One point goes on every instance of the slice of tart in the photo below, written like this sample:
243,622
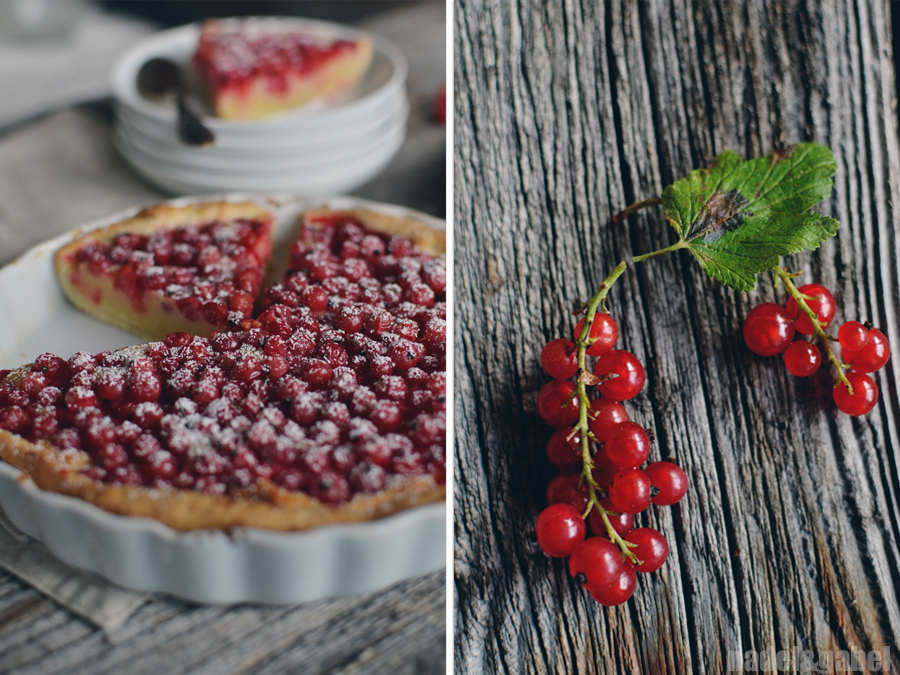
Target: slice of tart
195,268
327,406
253,69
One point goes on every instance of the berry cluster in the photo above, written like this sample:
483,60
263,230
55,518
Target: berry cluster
769,329
599,452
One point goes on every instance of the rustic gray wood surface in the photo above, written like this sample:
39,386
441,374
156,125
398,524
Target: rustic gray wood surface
399,630
790,533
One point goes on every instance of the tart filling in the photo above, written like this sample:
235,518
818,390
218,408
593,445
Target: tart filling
196,268
327,406
252,70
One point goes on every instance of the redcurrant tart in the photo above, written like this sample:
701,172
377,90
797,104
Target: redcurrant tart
821,303
768,329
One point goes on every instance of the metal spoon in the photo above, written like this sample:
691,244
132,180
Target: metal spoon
159,76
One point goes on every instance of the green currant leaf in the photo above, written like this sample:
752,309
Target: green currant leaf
739,217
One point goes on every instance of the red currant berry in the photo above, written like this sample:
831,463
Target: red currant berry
557,405
669,479
560,359
853,336
559,530
564,450
597,563
567,488
604,469
622,522
630,491
863,398
822,304
629,375
607,415
604,331
628,446
768,329
802,359
618,591
652,548
872,356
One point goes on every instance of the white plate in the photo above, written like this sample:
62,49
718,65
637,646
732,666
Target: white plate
283,145
386,76
246,565
336,179
293,160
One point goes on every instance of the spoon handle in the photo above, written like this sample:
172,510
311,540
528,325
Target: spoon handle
191,129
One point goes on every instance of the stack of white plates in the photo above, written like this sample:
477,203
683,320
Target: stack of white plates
319,149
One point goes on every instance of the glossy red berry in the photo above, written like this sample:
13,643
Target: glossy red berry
604,331
652,548
628,446
568,488
630,491
873,355
607,414
560,359
557,405
604,469
863,398
564,450
628,375
617,592
559,530
768,329
622,523
596,563
822,303
853,335
802,359
671,481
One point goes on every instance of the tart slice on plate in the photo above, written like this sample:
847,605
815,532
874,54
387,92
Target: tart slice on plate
251,69
195,268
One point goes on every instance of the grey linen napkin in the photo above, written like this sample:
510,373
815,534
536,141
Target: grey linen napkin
91,597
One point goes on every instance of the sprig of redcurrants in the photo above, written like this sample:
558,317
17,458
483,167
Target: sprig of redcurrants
599,452
770,328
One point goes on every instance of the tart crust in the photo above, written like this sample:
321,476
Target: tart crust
264,504
99,297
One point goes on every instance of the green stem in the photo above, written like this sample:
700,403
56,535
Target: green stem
582,343
637,206
668,249
787,279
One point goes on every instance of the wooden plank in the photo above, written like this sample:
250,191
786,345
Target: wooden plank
565,113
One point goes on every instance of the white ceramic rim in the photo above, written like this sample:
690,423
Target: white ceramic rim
310,160
179,43
284,145
336,181
244,565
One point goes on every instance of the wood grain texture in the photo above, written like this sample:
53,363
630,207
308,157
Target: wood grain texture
565,113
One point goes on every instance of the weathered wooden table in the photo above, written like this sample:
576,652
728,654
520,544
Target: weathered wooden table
790,534
399,630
